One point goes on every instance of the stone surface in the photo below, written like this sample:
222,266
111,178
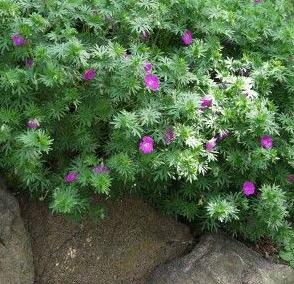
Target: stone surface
122,248
16,262
218,259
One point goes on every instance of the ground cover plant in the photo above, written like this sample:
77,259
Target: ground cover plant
187,102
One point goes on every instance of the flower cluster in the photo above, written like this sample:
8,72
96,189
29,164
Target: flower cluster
33,123
152,82
89,74
146,145
147,67
169,135
101,169
71,176
29,62
18,40
187,37
248,188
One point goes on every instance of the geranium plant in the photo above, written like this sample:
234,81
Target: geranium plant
189,103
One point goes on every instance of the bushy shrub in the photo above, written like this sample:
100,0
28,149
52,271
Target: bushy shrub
188,102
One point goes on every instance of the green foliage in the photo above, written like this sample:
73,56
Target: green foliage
221,210
241,57
272,208
66,201
287,241
266,216
101,183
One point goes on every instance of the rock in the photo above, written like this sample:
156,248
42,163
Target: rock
122,248
16,261
220,260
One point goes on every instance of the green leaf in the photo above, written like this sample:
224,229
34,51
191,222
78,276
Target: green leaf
287,256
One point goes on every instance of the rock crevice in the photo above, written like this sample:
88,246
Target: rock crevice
218,259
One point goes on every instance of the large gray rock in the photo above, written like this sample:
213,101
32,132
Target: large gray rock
221,260
16,262
125,247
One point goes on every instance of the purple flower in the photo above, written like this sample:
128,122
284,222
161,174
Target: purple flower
29,62
146,145
33,123
18,40
258,1
266,141
169,135
205,102
145,35
223,134
147,67
101,168
248,188
71,176
89,74
291,178
187,37
152,82
211,144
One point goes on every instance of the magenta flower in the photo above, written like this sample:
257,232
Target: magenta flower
169,135
101,168
18,40
258,1
152,82
291,178
71,176
147,67
89,74
29,62
187,37
248,188
211,144
205,102
266,141
33,123
146,145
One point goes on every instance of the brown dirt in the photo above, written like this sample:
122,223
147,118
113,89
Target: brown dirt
122,248
266,247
